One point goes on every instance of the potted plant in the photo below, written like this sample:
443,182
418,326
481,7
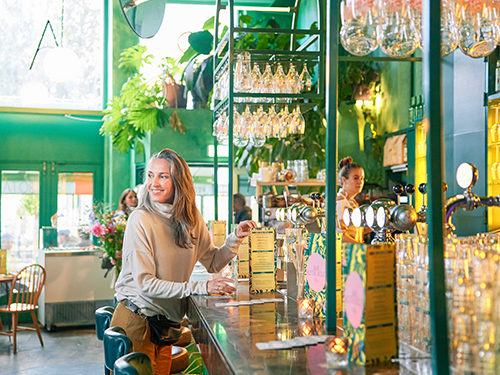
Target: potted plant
139,107
171,83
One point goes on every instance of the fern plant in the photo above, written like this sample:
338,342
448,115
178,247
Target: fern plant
138,108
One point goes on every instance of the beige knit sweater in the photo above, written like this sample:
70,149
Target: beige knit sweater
155,271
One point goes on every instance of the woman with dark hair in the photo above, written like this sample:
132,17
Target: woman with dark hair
128,202
352,179
165,236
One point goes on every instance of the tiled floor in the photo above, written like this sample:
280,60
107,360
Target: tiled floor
73,351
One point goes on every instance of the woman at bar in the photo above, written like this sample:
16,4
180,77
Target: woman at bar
165,236
352,180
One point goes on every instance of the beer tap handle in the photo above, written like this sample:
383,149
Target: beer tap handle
422,188
398,190
410,189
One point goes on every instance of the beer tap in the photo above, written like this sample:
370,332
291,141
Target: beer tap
300,214
410,189
467,176
422,214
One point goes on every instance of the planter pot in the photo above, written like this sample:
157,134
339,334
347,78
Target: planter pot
174,95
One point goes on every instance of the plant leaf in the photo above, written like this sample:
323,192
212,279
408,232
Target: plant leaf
188,55
201,41
209,24
245,19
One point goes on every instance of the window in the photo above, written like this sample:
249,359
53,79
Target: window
22,24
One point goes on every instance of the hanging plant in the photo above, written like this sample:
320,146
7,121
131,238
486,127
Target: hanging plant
138,108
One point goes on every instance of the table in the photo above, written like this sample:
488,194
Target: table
7,280
227,338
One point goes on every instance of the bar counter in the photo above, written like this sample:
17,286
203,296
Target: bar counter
227,338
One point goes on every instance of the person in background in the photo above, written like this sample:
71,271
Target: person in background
65,239
352,180
241,210
128,202
165,237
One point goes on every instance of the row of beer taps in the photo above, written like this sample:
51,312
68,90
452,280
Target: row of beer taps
384,216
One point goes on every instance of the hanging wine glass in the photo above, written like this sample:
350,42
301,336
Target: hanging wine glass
242,79
240,138
274,123
478,30
300,122
292,81
222,127
398,33
449,28
258,136
279,80
256,77
415,14
305,80
358,34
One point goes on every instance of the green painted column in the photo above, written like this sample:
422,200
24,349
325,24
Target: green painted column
118,167
435,166
331,81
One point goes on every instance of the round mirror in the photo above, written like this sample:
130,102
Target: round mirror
144,16
466,175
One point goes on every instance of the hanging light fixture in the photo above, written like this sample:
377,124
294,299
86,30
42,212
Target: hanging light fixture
60,63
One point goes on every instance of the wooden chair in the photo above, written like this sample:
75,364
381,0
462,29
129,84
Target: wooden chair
23,297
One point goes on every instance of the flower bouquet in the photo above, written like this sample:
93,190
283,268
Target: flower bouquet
109,227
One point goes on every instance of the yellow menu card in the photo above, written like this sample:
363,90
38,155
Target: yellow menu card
218,230
3,261
262,261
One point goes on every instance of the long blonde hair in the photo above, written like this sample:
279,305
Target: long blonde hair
184,212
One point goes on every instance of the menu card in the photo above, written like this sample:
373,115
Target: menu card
262,261
243,258
3,261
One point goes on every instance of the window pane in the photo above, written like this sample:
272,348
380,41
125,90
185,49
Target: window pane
74,202
203,178
82,31
20,209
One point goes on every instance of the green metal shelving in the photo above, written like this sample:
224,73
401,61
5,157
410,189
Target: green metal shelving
225,53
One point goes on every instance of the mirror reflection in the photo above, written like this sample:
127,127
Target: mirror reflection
144,16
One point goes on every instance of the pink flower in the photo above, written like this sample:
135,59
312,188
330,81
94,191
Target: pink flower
394,5
98,230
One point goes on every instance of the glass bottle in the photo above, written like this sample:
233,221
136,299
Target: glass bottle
411,116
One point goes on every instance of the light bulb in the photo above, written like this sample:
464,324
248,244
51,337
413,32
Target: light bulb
61,64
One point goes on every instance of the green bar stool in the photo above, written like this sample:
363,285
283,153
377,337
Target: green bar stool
135,363
116,345
103,316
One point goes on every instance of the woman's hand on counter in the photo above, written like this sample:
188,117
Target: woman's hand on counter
243,228
221,285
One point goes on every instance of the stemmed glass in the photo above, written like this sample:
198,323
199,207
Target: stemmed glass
358,34
305,80
449,28
398,32
241,128
279,80
292,85
479,33
256,81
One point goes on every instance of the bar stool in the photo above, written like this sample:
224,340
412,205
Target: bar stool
103,316
135,363
180,360
116,345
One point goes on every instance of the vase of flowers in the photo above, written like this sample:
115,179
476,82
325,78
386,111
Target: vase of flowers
109,228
